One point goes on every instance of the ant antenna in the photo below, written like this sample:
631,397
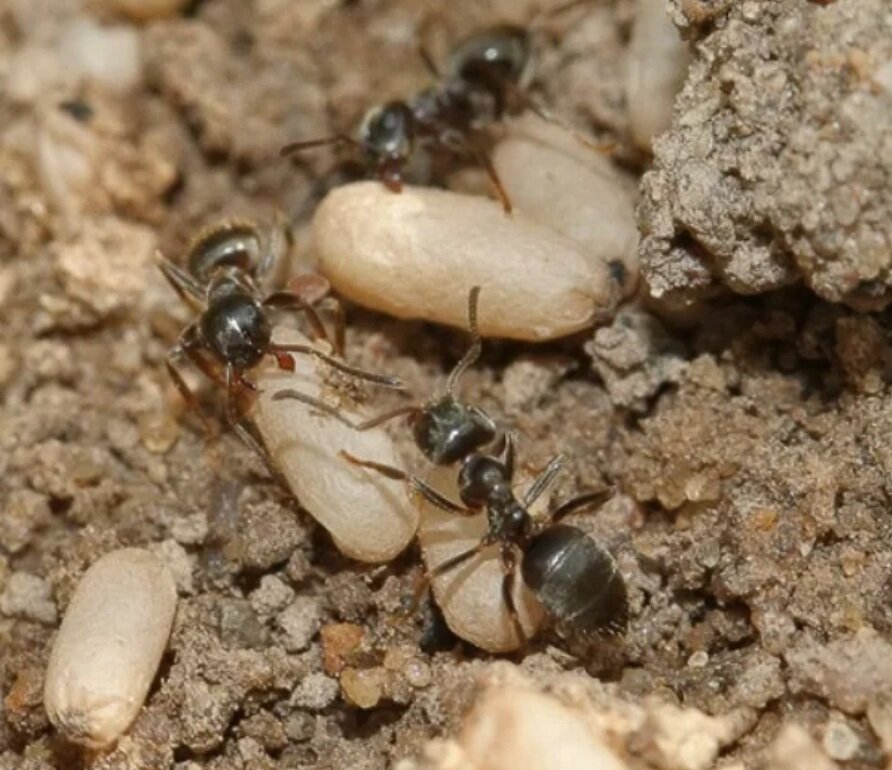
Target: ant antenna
293,147
473,352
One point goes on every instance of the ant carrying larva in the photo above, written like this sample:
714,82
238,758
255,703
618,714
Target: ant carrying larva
233,332
574,578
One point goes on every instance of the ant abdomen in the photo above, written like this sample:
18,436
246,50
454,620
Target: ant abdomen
576,580
494,57
233,244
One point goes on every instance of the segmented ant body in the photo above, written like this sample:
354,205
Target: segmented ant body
483,75
574,578
232,333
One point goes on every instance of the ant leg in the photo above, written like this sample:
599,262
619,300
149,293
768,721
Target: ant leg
580,501
425,490
189,290
333,411
379,379
441,569
509,565
233,381
543,113
188,346
543,480
484,160
509,454
293,147
340,322
428,61
286,300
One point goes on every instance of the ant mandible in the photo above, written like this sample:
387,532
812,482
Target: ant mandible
232,334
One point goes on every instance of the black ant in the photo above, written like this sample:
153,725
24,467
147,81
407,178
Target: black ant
232,334
485,76
574,578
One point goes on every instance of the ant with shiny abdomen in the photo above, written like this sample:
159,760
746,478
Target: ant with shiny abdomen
574,578
232,334
485,76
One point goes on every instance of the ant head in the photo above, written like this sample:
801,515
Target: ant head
482,481
236,329
228,245
387,134
495,58
448,430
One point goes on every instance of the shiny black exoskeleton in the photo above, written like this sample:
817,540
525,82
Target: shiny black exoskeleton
574,578
233,331
484,75
445,428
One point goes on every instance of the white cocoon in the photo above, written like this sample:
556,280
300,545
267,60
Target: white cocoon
109,646
369,516
552,178
416,254
657,65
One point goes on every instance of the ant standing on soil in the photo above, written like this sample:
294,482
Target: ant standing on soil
232,334
485,76
574,578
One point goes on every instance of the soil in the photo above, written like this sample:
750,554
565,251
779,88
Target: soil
746,434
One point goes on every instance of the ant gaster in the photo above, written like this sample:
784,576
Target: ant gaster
233,331
574,578
483,76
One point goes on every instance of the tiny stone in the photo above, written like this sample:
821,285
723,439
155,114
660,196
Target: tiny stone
159,431
299,622
418,673
338,641
25,512
316,692
363,687
239,626
271,595
699,659
396,658
840,741
299,726
175,558
28,596
190,530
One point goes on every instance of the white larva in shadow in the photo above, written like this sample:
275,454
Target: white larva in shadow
556,180
656,68
369,516
470,596
417,253
109,646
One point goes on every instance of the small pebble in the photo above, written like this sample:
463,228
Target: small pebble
271,595
840,741
159,431
28,596
363,687
299,623
699,659
418,673
338,641
315,692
